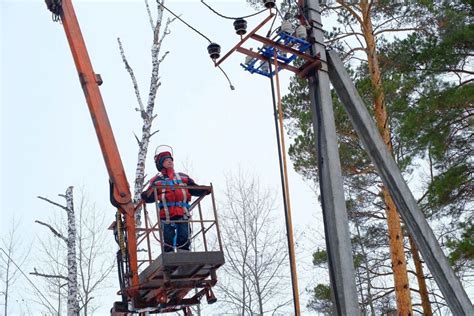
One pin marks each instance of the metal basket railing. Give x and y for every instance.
(204, 234)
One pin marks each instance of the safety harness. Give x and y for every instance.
(165, 204)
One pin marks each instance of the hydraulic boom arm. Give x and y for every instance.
(90, 85)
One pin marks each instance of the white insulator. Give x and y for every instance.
(264, 67)
(300, 32)
(286, 27)
(248, 59)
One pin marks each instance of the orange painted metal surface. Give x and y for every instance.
(95, 103)
(243, 40)
(167, 279)
(294, 277)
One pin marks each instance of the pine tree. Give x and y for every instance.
(408, 93)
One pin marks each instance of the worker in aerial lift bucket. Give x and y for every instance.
(174, 200)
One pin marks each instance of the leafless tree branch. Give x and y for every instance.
(54, 231)
(50, 276)
(150, 17)
(54, 203)
(132, 75)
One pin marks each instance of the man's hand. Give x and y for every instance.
(146, 194)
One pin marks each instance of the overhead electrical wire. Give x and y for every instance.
(279, 13)
(232, 18)
(187, 24)
(21, 271)
(195, 30)
(230, 83)
(270, 31)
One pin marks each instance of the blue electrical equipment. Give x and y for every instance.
(255, 65)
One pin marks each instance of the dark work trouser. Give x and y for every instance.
(178, 231)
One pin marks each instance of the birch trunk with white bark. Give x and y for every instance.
(146, 113)
(70, 240)
(72, 297)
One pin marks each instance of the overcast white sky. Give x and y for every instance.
(47, 139)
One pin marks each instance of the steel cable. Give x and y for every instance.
(232, 18)
(23, 273)
(184, 22)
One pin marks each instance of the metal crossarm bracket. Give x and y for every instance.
(285, 47)
(322, 68)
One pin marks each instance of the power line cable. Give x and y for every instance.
(230, 83)
(187, 24)
(19, 269)
(229, 17)
(195, 30)
(279, 13)
(270, 31)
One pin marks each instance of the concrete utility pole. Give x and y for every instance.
(336, 225)
(415, 221)
(332, 194)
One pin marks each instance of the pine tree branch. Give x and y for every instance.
(367, 215)
(393, 30)
(371, 3)
(466, 82)
(332, 40)
(356, 36)
(442, 70)
(351, 11)
(388, 21)
(379, 296)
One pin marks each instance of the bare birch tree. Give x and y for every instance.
(86, 269)
(255, 279)
(70, 240)
(12, 248)
(146, 110)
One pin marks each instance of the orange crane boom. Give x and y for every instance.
(164, 283)
(90, 82)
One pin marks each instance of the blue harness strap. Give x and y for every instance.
(171, 183)
(180, 204)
